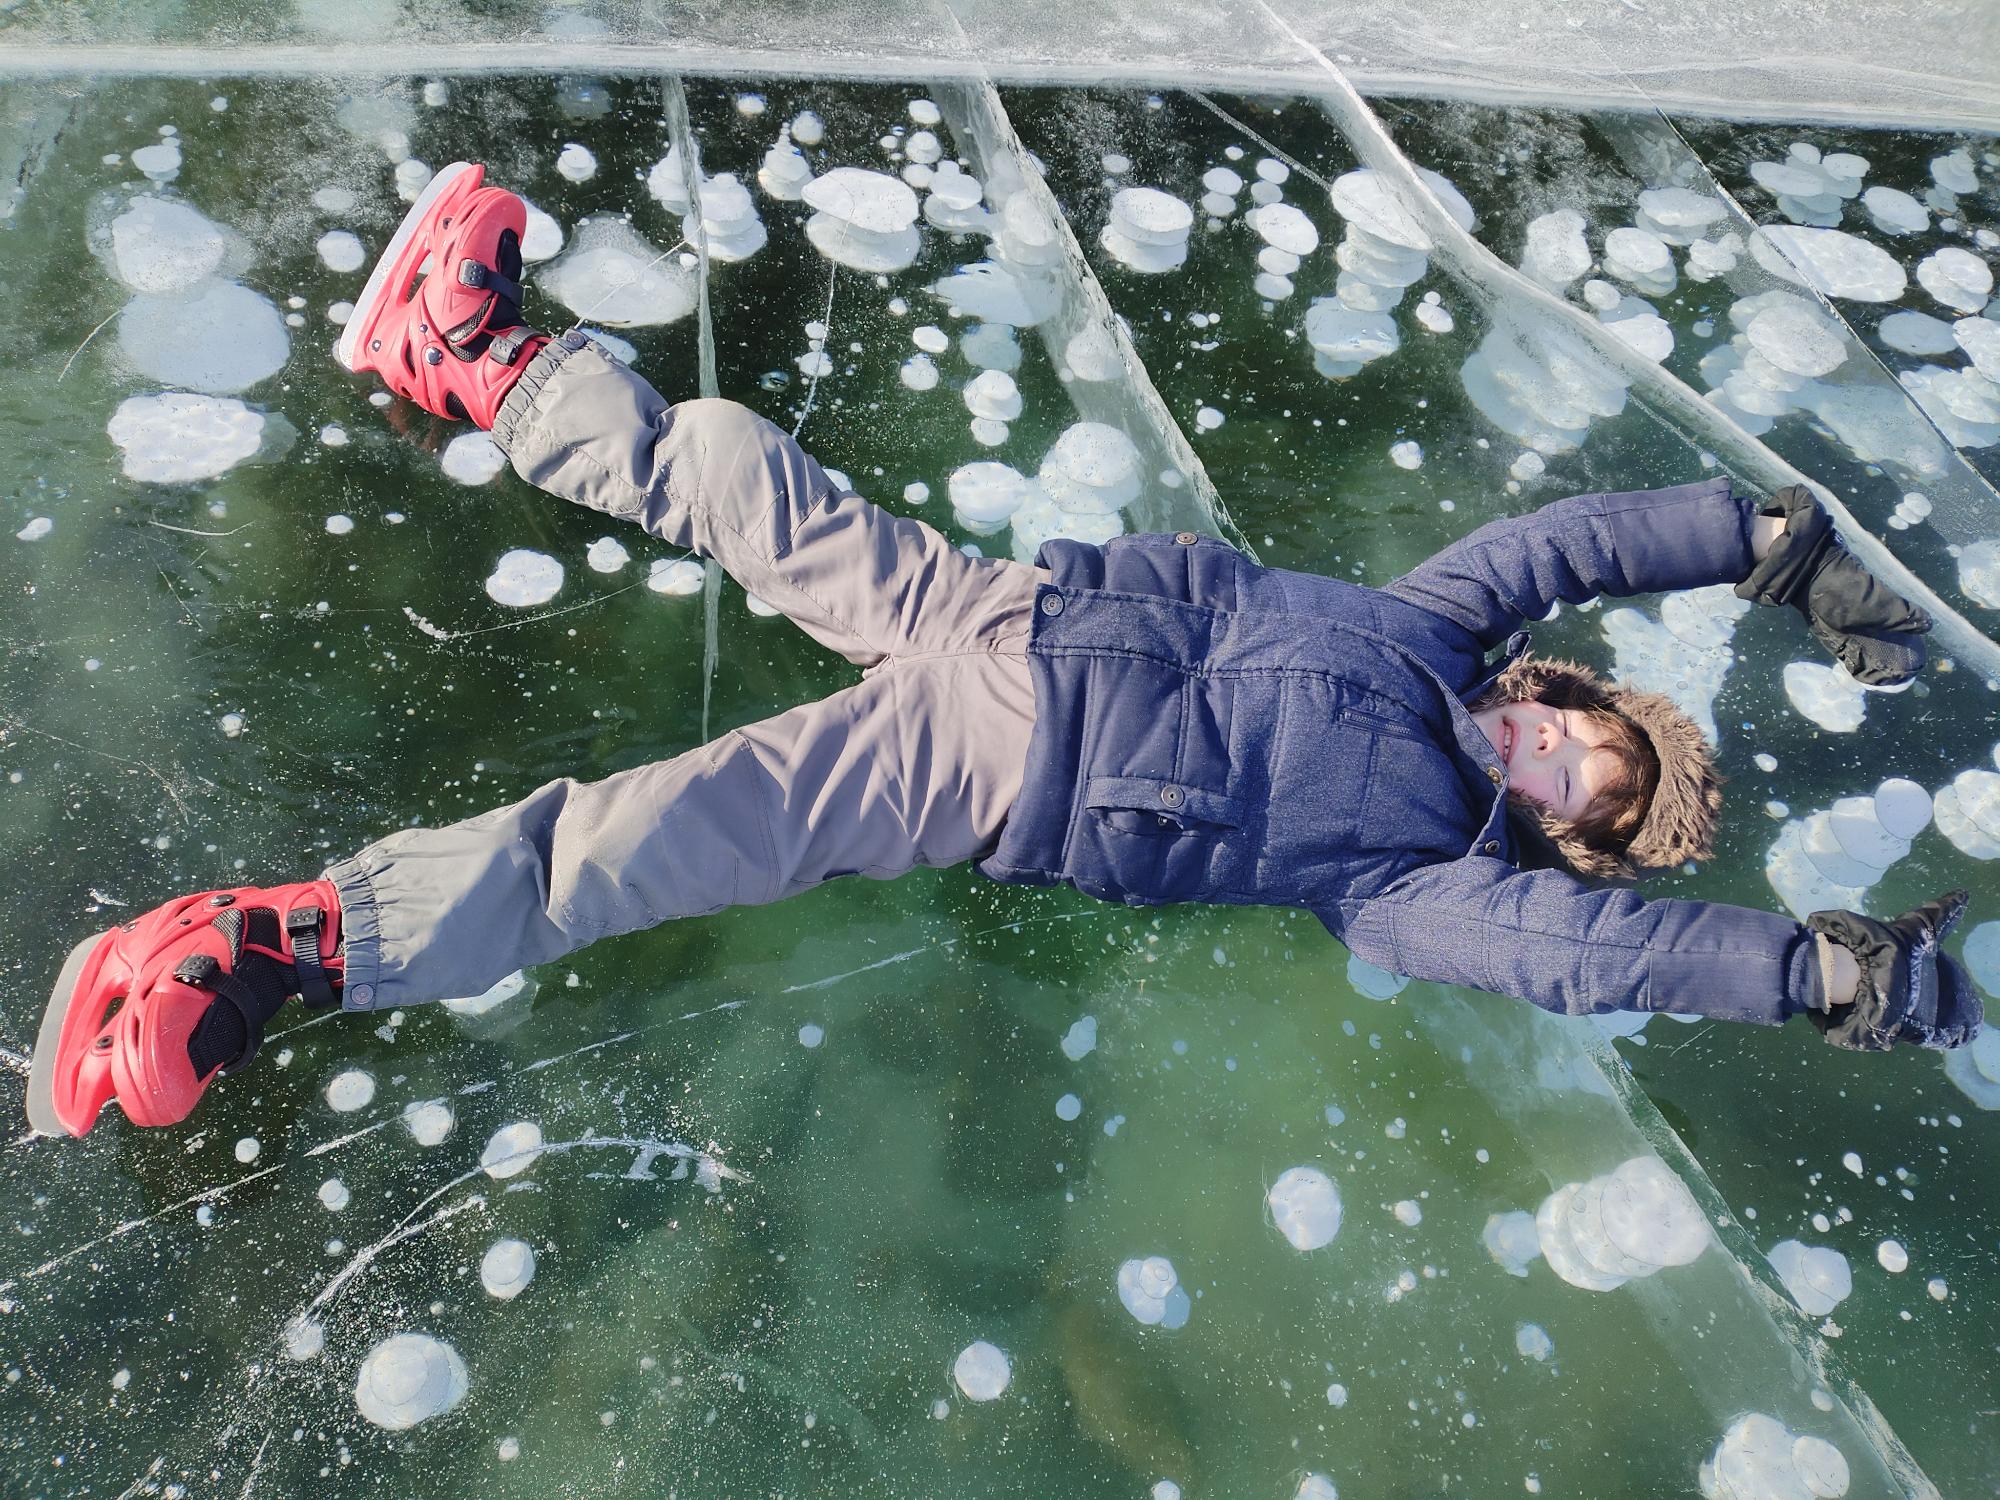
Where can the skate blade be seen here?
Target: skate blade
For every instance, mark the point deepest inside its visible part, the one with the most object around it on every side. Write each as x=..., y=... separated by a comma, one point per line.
x=387, y=262
x=42, y=1115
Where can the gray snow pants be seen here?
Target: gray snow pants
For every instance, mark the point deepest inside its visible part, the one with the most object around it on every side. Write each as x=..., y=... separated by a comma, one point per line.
x=917, y=764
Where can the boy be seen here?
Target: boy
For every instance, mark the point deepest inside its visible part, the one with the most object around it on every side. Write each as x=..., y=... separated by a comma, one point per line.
x=1157, y=720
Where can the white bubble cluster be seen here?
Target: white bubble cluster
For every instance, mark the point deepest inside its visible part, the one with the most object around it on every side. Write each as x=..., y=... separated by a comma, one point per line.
x=1830, y=261
x=1773, y=364
x=507, y=1268
x=1684, y=654
x=1817, y=1276
x=1511, y=1239
x=1383, y=252
x=1759, y=1458
x=180, y=438
x=863, y=219
x=1810, y=187
x=1622, y=1226
x=1152, y=1292
x=1148, y=230
x=1541, y=384
x=1305, y=1207
x=982, y=1371
x=523, y=578
x=409, y=1378
x=512, y=1149
x=613, y=276
x=1828, y=860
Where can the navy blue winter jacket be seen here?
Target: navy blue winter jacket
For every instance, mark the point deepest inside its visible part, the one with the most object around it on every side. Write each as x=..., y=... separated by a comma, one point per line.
x=1211, y=730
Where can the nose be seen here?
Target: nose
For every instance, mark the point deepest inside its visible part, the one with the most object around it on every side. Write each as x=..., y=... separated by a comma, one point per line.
x=1548, y=737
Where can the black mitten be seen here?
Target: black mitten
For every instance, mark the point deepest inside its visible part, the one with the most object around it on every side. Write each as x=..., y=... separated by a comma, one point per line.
x=1909, y=991
x=1876, y=633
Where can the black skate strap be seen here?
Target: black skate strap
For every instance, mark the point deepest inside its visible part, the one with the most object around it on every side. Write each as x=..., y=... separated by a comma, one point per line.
x=302, y=926
x=230, y=1034
x=484, y=278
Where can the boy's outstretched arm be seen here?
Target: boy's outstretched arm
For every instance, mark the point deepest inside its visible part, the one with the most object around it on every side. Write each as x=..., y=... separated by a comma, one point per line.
x=1543, y=936
x=1631, y=542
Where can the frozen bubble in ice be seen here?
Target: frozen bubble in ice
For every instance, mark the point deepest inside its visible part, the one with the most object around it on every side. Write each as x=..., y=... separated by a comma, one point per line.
x=1152, y=1293
x=1408, y=1212
x=248, y=1149
x=524, y=578
x=1682, y=212
x=667, y=181
x=1830, y=261
x=1068, y=1107
x=1091, y=354
x=512, y=1149
x=612, y=275
x=991, y=293
x=333, y=1195
x=412, y=177
x=1892, y=1257
x=811, y=1035
x=179, y=438
x=981, y=1371
x=1369, y=202
x=304, y=1339
x=930, y=338
x=1338, y=333
x=1285, y=228
x=1223, y=180
x=807, y=128
x=576, y=162
x=350, y=1091
x=1081, y=1039
x=1166, y=1489
x=1434, y=317
x=473, y=458
x=1147, y=216
x=785, y=172
x=218, y=337
x=428, y=1121
x=992, y=394
x=507, y=1268
x=544, y=239
x=408, y=1378
x=1207, y=419
x=335, y=200
x=925, y=112
x=1953, y=171
x=1376, y=983
x=873, y=202
x=1828, y=696
x=1982, y=959
x=1957, y=278
x=1821, y=1466
x=1532, y=1341
x=160, y=161
x=1980, y=339
x=1556, y=252
x=814, y=363
x=1272, y=287
x=1895, y=211
x=1917, y=333
x=916, y=492
x=1796, y=337
x=991, y=346
x=675, y=576
x=338, y=525
x=1817, y=1277
x=1315, y=1487
x=1640, y=258
x=607, y=555
x=1305, y=1206
x=500, y=993
x=1406, y=455
x=987, y=494
x=1755, y=1459
x=161, y=246
x=1277, y=262
x=918, y=372
x=340, y=250
x=1552, y=1230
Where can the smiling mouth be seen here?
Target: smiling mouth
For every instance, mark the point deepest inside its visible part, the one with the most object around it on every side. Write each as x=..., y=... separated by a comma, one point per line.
x=1506, y=743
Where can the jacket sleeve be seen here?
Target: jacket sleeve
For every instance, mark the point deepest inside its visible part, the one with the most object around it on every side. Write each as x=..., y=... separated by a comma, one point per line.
x=1635, y=542
x=1542, y=936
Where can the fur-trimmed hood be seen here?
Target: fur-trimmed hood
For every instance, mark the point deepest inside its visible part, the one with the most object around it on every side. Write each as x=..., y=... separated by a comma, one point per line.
x=1680, y=822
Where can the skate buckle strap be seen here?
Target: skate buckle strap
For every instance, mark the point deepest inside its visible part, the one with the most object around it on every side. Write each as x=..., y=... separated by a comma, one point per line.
x=302, y=926
x=205, y=973
x=484, y=278
x=506, y=347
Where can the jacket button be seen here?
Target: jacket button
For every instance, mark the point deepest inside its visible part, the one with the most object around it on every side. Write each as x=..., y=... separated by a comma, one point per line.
x=1052, y=604
x=1186, y=538
x=1493, y=775
x=1173, y=796
x=1492, y=846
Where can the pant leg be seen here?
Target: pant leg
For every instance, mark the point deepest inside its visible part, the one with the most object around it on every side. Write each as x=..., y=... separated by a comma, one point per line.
x=917, y=765
x=715, y=477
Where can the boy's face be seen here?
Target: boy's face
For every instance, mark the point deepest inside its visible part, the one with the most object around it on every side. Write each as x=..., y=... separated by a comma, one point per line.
x=1551, y=754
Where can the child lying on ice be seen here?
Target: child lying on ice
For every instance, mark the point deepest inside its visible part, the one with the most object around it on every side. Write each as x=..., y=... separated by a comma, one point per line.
x=1156, y=720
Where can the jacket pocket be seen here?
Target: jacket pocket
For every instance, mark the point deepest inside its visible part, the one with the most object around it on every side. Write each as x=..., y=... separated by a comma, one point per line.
x=1155, y=808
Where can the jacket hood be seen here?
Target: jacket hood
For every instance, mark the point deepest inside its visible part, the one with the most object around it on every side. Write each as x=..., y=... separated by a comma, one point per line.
x=1680, y=822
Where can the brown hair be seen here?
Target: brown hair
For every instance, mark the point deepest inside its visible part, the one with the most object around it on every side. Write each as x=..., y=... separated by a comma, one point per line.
x=1660, y=808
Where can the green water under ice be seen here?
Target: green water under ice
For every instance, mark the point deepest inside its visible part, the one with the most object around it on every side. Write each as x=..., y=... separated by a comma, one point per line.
x=905, y=1186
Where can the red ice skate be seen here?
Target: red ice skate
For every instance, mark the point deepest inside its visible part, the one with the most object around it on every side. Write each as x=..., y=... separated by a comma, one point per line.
x=151, y=1012
x=452, y=342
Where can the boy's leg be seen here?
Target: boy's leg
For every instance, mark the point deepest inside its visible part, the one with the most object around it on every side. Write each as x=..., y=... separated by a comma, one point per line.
x=917, y=765
x=715, y=477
